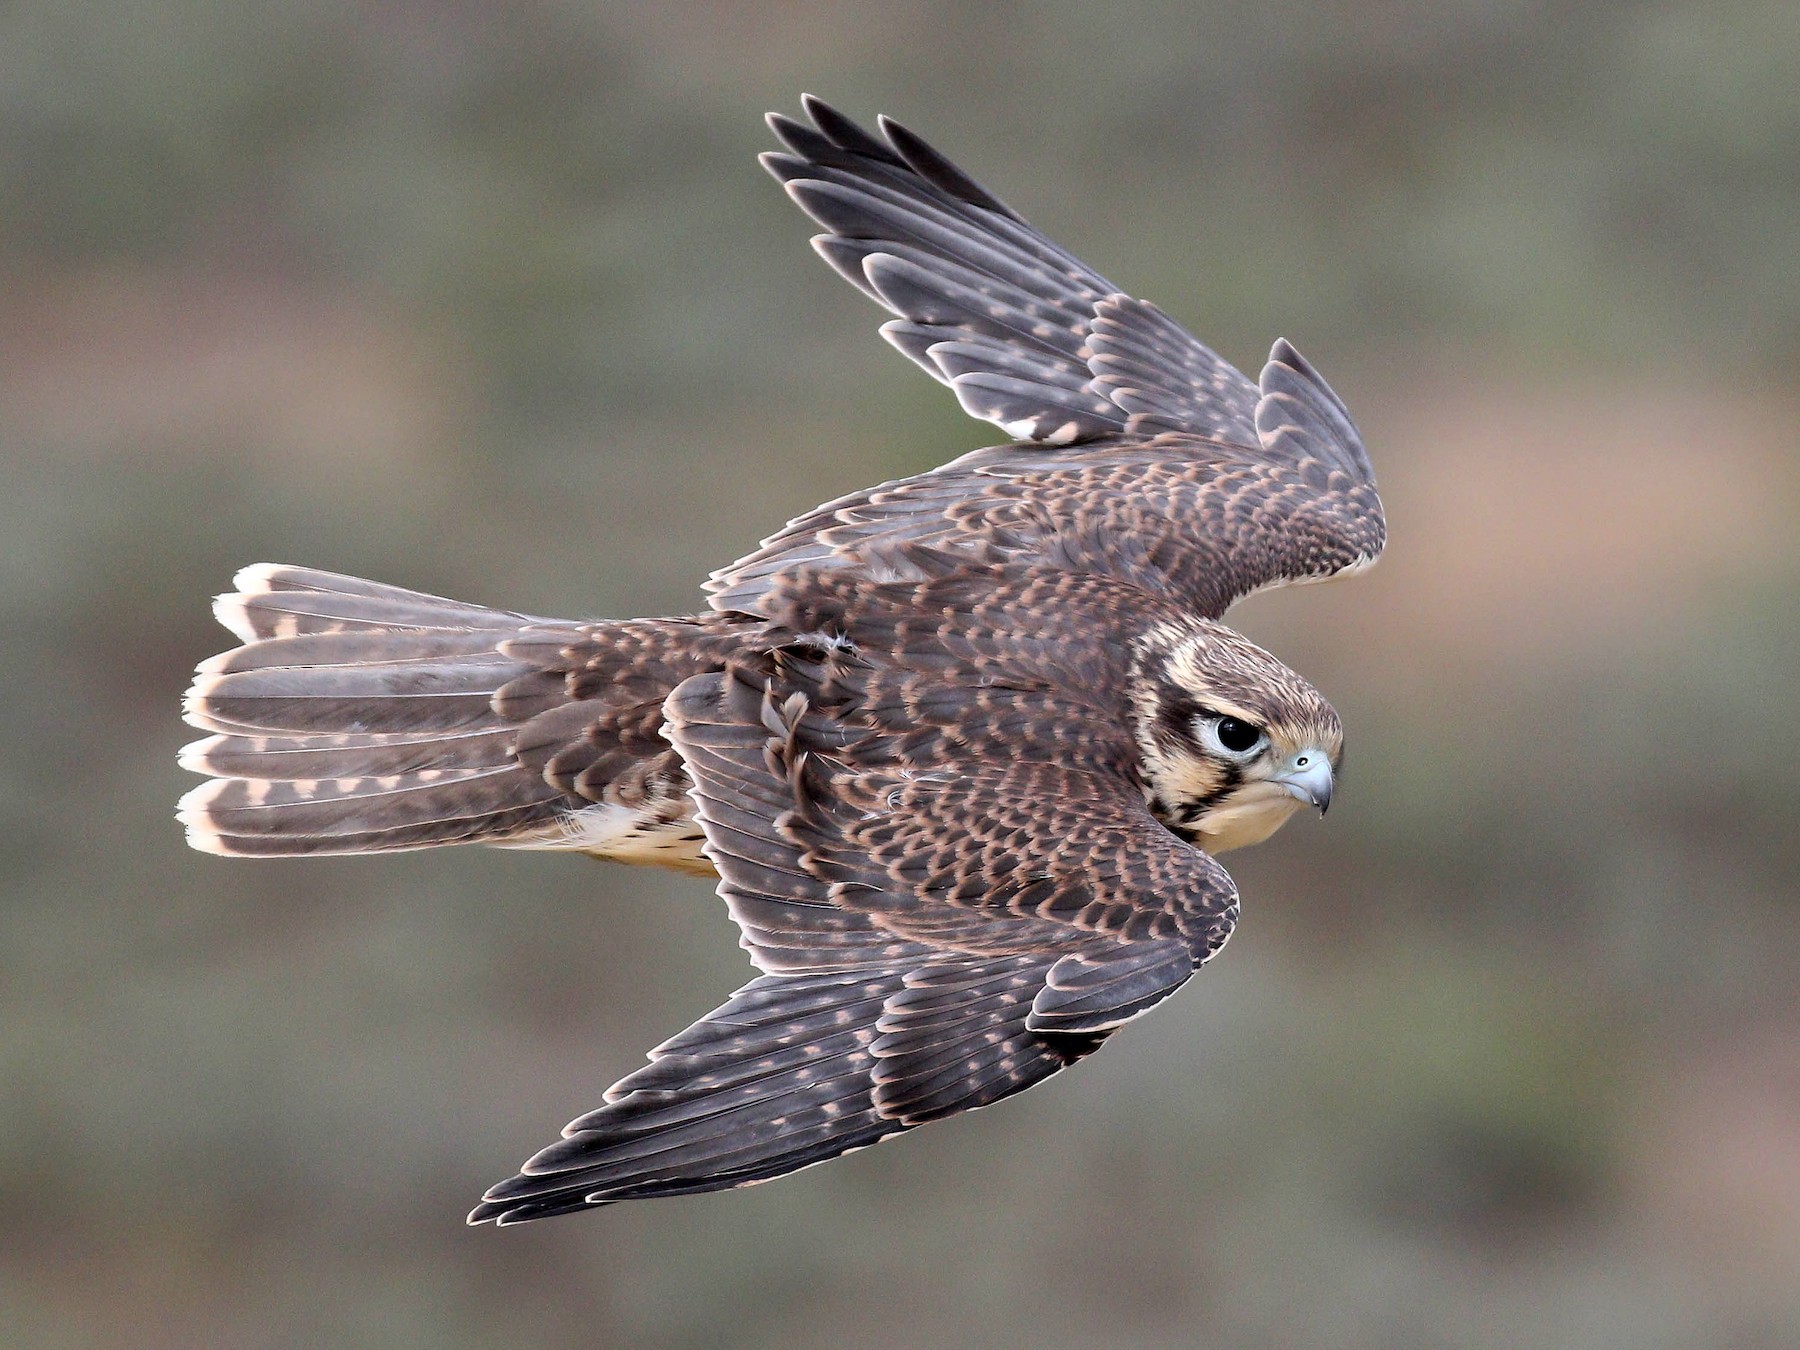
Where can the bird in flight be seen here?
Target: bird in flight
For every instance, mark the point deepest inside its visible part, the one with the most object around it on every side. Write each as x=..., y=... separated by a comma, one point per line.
x=961, y=749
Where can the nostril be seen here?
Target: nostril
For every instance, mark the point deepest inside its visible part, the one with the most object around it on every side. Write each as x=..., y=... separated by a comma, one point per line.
x=1302, y=762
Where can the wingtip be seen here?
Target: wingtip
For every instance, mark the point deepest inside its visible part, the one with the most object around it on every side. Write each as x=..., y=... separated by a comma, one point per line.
x=1282, y=352
x=510, y=1212
x=845, y=132
x=1295, y=401
x=901, y=137
x=791, y=133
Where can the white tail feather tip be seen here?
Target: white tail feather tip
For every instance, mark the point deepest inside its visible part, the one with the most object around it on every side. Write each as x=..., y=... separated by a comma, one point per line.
x=193, y=756
x=233, y=611
x=193, y=811
x=193, y=710
x=258, y=578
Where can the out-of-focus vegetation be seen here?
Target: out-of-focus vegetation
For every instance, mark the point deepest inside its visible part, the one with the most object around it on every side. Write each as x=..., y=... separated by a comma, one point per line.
x=490, y=299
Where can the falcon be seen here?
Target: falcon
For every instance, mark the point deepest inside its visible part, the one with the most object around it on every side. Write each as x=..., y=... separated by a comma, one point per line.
x=961, y=749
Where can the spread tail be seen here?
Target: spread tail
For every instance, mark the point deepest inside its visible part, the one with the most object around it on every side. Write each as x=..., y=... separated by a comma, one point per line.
x=358, y=717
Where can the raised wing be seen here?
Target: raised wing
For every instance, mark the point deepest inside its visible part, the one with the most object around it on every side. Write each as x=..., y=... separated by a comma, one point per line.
x=1198, y=522
x=935, y=934
x=1143, y=455
x=1027, y=336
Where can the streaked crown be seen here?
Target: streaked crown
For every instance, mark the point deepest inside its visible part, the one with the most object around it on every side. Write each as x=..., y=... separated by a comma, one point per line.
x=1233, y=741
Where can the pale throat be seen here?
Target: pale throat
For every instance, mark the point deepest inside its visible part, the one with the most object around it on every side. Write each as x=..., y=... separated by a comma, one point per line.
x=1252, y=810
x=1252, y=813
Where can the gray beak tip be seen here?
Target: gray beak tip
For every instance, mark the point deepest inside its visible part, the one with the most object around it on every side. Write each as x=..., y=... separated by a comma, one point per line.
x=1308, y=778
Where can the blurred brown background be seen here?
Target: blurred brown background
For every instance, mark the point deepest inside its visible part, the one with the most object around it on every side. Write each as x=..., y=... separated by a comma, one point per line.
x=491, y=300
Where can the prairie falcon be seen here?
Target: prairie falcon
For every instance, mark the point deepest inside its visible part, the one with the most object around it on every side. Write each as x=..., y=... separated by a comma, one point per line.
x=960, y=749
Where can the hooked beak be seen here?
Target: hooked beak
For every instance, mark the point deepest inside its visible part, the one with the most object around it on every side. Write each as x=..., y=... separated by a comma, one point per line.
x=1307, y=775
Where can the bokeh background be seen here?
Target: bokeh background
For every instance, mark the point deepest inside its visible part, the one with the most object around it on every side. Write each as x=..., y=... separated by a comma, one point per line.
x=491, y=300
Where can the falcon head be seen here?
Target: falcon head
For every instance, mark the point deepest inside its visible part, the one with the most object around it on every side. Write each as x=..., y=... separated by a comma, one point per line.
x=1233, y=742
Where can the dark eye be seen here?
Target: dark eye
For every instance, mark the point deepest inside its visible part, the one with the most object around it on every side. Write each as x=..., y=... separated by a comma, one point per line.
x=1237, y=735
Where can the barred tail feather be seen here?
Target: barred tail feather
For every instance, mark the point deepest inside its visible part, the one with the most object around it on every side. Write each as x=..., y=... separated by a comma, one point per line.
x=357, y=717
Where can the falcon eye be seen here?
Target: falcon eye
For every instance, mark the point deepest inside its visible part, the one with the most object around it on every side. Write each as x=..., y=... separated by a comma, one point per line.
x=1230, y=737
x=1237, y=735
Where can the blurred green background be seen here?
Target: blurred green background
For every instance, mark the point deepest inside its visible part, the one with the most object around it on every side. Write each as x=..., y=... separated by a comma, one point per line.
x=490, y=299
